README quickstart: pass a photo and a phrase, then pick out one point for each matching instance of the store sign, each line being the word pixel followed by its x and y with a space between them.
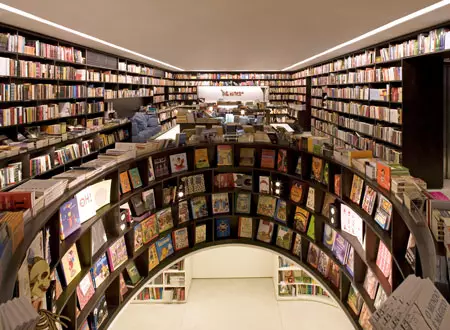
pixel 230 93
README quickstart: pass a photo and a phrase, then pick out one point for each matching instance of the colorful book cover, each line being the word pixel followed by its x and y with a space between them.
pixel 100 271
pixel 370 196
pixel 281 211
pixel 223 228
pixel 340 246
pixel 297 248
pixel 149 228
pixel 384 259
pixel 133 273
pixel 282 161
pixel 265 231
pixel 135 178
pixel 148 197
pixel 354 300
pixel 268 158
pixel 298 168
pixel 317 168
pixel 164 247
pixel 100 312
pixel 301 219
pixel 364 318
pixel 117 254
pixel 329 199
pixel 178 162
pixel 220 203
pixel 69 218
pixel 384 212
pixel 247 157
pixel 334 275
pixel 161 167
pixel 151 171
pixel 123 286
pixel 370 283
pixel 125 185
pixel 296 193
pixel 245 227
pixel 152 257
pixel 224 180
pixel 200 234
pixel 180 238
pixel 329 235
pixel 323 265
pixel 71 264
pixel 349 263
pixel 337 184
pixel 243 202
pixel 311 200
pixel 266 205
pixel 224 155
pixel 356 191
pixel 313 255
pixel 165 221
pixel 384 175
pixel 85 290
pixel 352 223
pixel 138 237
pixel 243 181
pixel 183 212
pixel 264 184
pixel 326 174
pixel 137 206
pixel 311 228
pixel 199 207
pixel 198 183
pixel 201 158
pixel 284 237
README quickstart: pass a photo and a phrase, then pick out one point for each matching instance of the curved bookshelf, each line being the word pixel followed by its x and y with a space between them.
pixel 395 239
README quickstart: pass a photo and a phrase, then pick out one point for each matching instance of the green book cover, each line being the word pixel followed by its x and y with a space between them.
pixel 311 231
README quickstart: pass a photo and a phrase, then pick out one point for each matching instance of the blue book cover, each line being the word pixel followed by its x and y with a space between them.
pixel 69 218
pixel 340 248
pixel 281 211
pixel 223 228
pixel 164 247
pixel 100 271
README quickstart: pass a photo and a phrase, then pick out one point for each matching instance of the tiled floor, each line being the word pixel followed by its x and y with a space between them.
pixel 237 304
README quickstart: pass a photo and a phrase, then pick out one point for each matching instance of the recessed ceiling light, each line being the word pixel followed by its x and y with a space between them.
pixel 83 35
pixel 385 27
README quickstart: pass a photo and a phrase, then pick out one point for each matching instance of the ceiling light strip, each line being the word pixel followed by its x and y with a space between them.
pixel 83 35
pixel 385 27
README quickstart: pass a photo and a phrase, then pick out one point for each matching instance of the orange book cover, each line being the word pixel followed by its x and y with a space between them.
pixel 384 175
pixel 125 185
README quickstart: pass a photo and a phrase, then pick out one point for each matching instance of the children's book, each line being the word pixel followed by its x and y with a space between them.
pixel 133 273
pixel 324 264
pixel 149 228
pixel 199 207
pixel 281 211
pixel 98 236
pixel 161 167
pixel 268 158
pixel 317 168
pixel 85 290
pixel 165 221
pixel 183 212
pixel 301 219
pixel 125 185
pixel 329 235
pixel 337 184
pixel 69 218
pixel 138 237
pixel 137 206
pixel 123 286
pixel 220 203
pixel 326 174
pixel 311 228
pixel 334 274
pixel 370 283
pixel 297 248
pixel 364 318
pixel 282 161
pixel 384 259
pixel 117 254
pixel 266 205
pixel 148 197
pixel 265 231
pixel 135 178
pixel 100 271
pixel 200 234
pixel 356 191
pixel 152 257
pixel 224 155
pixel 100 313
pixel 223 228
pixel 313 255
pixel 368 203
pixel 329 199
pixel 310 202
pixel 384 175
pixel 71 264
pixel 243 202
pixel 284 237
pixel 383 214
pixel 178 162
pixel 245 227
pixel 264 184
pixel 354 300
pixel 243 181
pixel 151 171
pixel 380 298
pixel 164 247
pixel 298 168
pixel 247 157
pixel 340 247
pixel 201 158
pixel 180 239
pixel 224 180
pixel 296 194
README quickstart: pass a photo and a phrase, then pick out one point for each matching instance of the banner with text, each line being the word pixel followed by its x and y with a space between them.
pixel 231 93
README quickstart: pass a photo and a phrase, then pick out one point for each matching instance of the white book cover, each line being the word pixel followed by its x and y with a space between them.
pixel 102 193
pixel 352 223
pixel 86 204
pixel 178 162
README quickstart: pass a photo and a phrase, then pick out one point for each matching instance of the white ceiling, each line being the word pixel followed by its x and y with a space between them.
pixel 226 34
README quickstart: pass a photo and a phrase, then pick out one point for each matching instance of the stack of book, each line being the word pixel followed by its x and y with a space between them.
pixel 49 189
pixel 12 319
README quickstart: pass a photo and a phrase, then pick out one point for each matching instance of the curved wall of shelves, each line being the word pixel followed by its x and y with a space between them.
pixel 364 255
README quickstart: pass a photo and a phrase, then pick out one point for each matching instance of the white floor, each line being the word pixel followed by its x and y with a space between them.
pixel 237 304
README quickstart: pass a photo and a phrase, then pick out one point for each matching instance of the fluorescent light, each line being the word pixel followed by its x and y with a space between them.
pixel 83 35
pixel 385 27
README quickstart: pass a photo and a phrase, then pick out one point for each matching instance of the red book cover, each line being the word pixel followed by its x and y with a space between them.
pixel 384 259
pixel 85 290
pixel 10 201
pixel 384 175
pixel 268 158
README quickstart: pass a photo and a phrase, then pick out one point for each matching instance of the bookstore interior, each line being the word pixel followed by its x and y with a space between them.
pixel 265 191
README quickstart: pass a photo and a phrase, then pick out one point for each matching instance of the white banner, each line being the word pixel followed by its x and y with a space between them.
pixel 231 93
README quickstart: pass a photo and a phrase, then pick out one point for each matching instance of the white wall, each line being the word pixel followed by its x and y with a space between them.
pixel 232 262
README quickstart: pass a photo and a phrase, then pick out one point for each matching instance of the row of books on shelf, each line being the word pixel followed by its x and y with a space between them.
pixel 290 90
pixel 284 97
pixel 240 76
pixel 162 294
pixel 192 83
pixel 142 70
pixel 183 97
pixel 285 290
pixel 368 75
pixel 182 90
pixel 388 94
pixel 298 82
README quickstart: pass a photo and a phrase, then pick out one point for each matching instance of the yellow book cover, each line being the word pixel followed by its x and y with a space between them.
pixel 152 257
pixel 201 158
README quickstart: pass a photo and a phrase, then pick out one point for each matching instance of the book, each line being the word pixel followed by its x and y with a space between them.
pixel 296 193
pixel 247 157
pixel 135 178
pixel 138 237
pixel 329 199
pixel 384 175
pixel 312 228
pixel 224 155
pixel 100 270
pixel 380 298
pixel 100 313
pixel 148 197
pixel 101 192
pixel 180 239
pixel 368 203
pixel 123 286
pixel 383 215
pixel 301 219
pixel 199 207
pixel 164 218
pixel 340 246
pixel 297 247
pixel 137 206
pixel 243 202
pixel 281 211
pixel 310 201
pixel 245 229
pixel 354 300
pixel 183 212
pixel 317 168
pixel 161 167
pixel 265 231
pixel 329 235
pixel 178 162
pixel 223 228
pixel 133 273
pixel 284 237
pixel 264 184
pixel 86 204
pixel 98 236
pixel 350 262
pixel 151 171
pixel 298 168
pixel 370 283
pixel 70 264
pixel 334 275
pixel 69 218
pixel 410 254
pixel 268 158
pixel 152 257
pixel 282 161
pixel 164 247
pixel 220 203
pixel 117 254
pixel 201 158
pixel 356 191
pixel 323 266
pixel 169 194
pixel 352 223
pixel 242 181
pixel 266 205
pixel 149 227
pixel 85 290
pixel 313 255
pixel 125 185
pixel 364 318
pixel 200 234
pixel 337 184
pixel 384 259
pixel 326 174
